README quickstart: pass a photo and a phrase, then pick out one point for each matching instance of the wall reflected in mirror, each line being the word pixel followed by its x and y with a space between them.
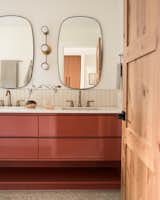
pixel 16 51
pixel 80 52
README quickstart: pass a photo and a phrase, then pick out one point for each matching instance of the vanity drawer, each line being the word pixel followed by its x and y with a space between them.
pixel 18 149
pixel 18 126
pixel 80 149
pixel 80 126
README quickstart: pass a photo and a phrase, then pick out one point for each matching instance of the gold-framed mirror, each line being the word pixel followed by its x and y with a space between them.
pixel 80 52
pixel 16 51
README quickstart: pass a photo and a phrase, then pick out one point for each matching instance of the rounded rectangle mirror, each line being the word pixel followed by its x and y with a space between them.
pixel 80 52
pixel 16 51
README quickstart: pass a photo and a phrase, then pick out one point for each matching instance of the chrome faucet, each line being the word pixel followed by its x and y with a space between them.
pixel 89 103
pixel 80 98
pixel 8 98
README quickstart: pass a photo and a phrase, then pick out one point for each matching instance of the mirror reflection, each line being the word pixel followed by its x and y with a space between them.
pixel 16 51
pixel 80 52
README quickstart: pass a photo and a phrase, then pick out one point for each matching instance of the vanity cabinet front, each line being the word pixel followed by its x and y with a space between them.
pixel 80 137
pixel 79 126
pixel 15 149
pixel 18 126
pixel 88 149
pixel 18 137
pixel 60 151
pixel 60 137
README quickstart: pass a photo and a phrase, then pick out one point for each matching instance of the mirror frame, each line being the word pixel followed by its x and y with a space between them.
pixel 25 18
pixel 98 22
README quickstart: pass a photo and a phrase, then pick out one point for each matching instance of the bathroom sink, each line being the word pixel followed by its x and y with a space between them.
pixel 13 108
pixel 82 108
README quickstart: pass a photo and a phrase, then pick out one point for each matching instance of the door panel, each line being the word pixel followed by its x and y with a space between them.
pixel 72 71
pixel 139 97
pixel 141 80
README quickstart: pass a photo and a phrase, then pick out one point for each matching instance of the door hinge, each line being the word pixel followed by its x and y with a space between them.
pixel 122 116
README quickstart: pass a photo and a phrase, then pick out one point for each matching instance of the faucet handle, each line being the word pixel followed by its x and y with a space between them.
pixel 18 102
pixel 89 103
pixel 1 102
pixel 71 103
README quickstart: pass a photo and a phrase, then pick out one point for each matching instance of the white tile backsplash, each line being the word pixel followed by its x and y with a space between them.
pixel 48 97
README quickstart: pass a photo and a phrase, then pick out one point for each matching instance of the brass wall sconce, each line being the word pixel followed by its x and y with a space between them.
pixel 45 48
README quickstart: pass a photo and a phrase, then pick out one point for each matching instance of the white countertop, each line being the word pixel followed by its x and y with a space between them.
pixel 63 110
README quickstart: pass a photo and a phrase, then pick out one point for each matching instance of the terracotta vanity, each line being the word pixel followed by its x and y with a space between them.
pixel 60 150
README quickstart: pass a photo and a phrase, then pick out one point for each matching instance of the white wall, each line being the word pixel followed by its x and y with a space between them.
pixel 52 12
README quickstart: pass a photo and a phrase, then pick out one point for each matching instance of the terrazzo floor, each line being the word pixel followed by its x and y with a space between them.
pixel 61 195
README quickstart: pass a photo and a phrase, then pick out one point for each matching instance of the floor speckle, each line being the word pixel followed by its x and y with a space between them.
pixel 61 195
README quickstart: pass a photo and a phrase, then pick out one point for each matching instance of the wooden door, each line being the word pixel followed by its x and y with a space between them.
pixel 72 71
pixel 141 79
